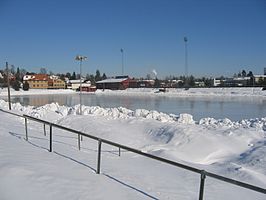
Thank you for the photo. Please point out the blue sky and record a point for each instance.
(224, 36)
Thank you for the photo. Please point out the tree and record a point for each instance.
(98, 75)
(104, 76)
(250, 74)
(26, 86)
(244, 73)
(73, 77)
(17, 75)
(15, 85)
(191, 81)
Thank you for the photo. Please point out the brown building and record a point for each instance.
(56, 84)
(36, 81)
(43, 81)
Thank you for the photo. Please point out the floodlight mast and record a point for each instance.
(122, 58)
(186, 62)
(80, 59)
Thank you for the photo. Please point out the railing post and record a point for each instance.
(79, 141)
(202, 182)
(26, 128)
(44, 130)
(51, 135)
(99, 156)
(119, 151)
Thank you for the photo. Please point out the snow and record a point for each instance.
(235, 149)
(171, 92)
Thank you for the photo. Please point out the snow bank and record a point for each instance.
(124, 113)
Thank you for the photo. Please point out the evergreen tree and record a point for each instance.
(244, 73)
(26, 86)
(250, 74)
(104, 76)
(17, 75)
(73, 77)
(98, 75)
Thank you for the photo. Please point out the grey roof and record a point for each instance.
(112, 80)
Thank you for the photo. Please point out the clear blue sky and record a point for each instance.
(224, 36)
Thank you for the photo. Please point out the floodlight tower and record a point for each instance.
(186, 56)
(80, 59)
(186, 62)
(122, 58)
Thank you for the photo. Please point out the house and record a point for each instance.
(43, 81)
(146, 83)
(116, 83)
(259, 78)
(36, 81)
(75, 84)
(54, 82)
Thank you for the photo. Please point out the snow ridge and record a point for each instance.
(124, 113)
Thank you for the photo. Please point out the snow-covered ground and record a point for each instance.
(234, 149)
(171, 92)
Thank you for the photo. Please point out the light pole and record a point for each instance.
(80, 59)
(186, 62)
(8, 86)
(122, 57)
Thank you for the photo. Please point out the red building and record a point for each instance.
(117, 83)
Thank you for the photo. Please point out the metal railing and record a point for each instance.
(203, 173)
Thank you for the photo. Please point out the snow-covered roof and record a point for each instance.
(260, 76)
(112, 80)
(76, 81)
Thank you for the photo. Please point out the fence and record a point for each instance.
(203, 173)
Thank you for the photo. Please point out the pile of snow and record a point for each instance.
(124, 113)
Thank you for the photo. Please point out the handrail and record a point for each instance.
(203, 173)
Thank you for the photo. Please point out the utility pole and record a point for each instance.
(8, 86)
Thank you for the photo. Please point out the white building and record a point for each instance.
(75, 84)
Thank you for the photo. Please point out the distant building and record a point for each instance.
(117, 83)
(37, 81)
(54, 82)
(218, 82)
(145, 83)
(264, 70)
(43, 81)
(259, 77)
(75, 84)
